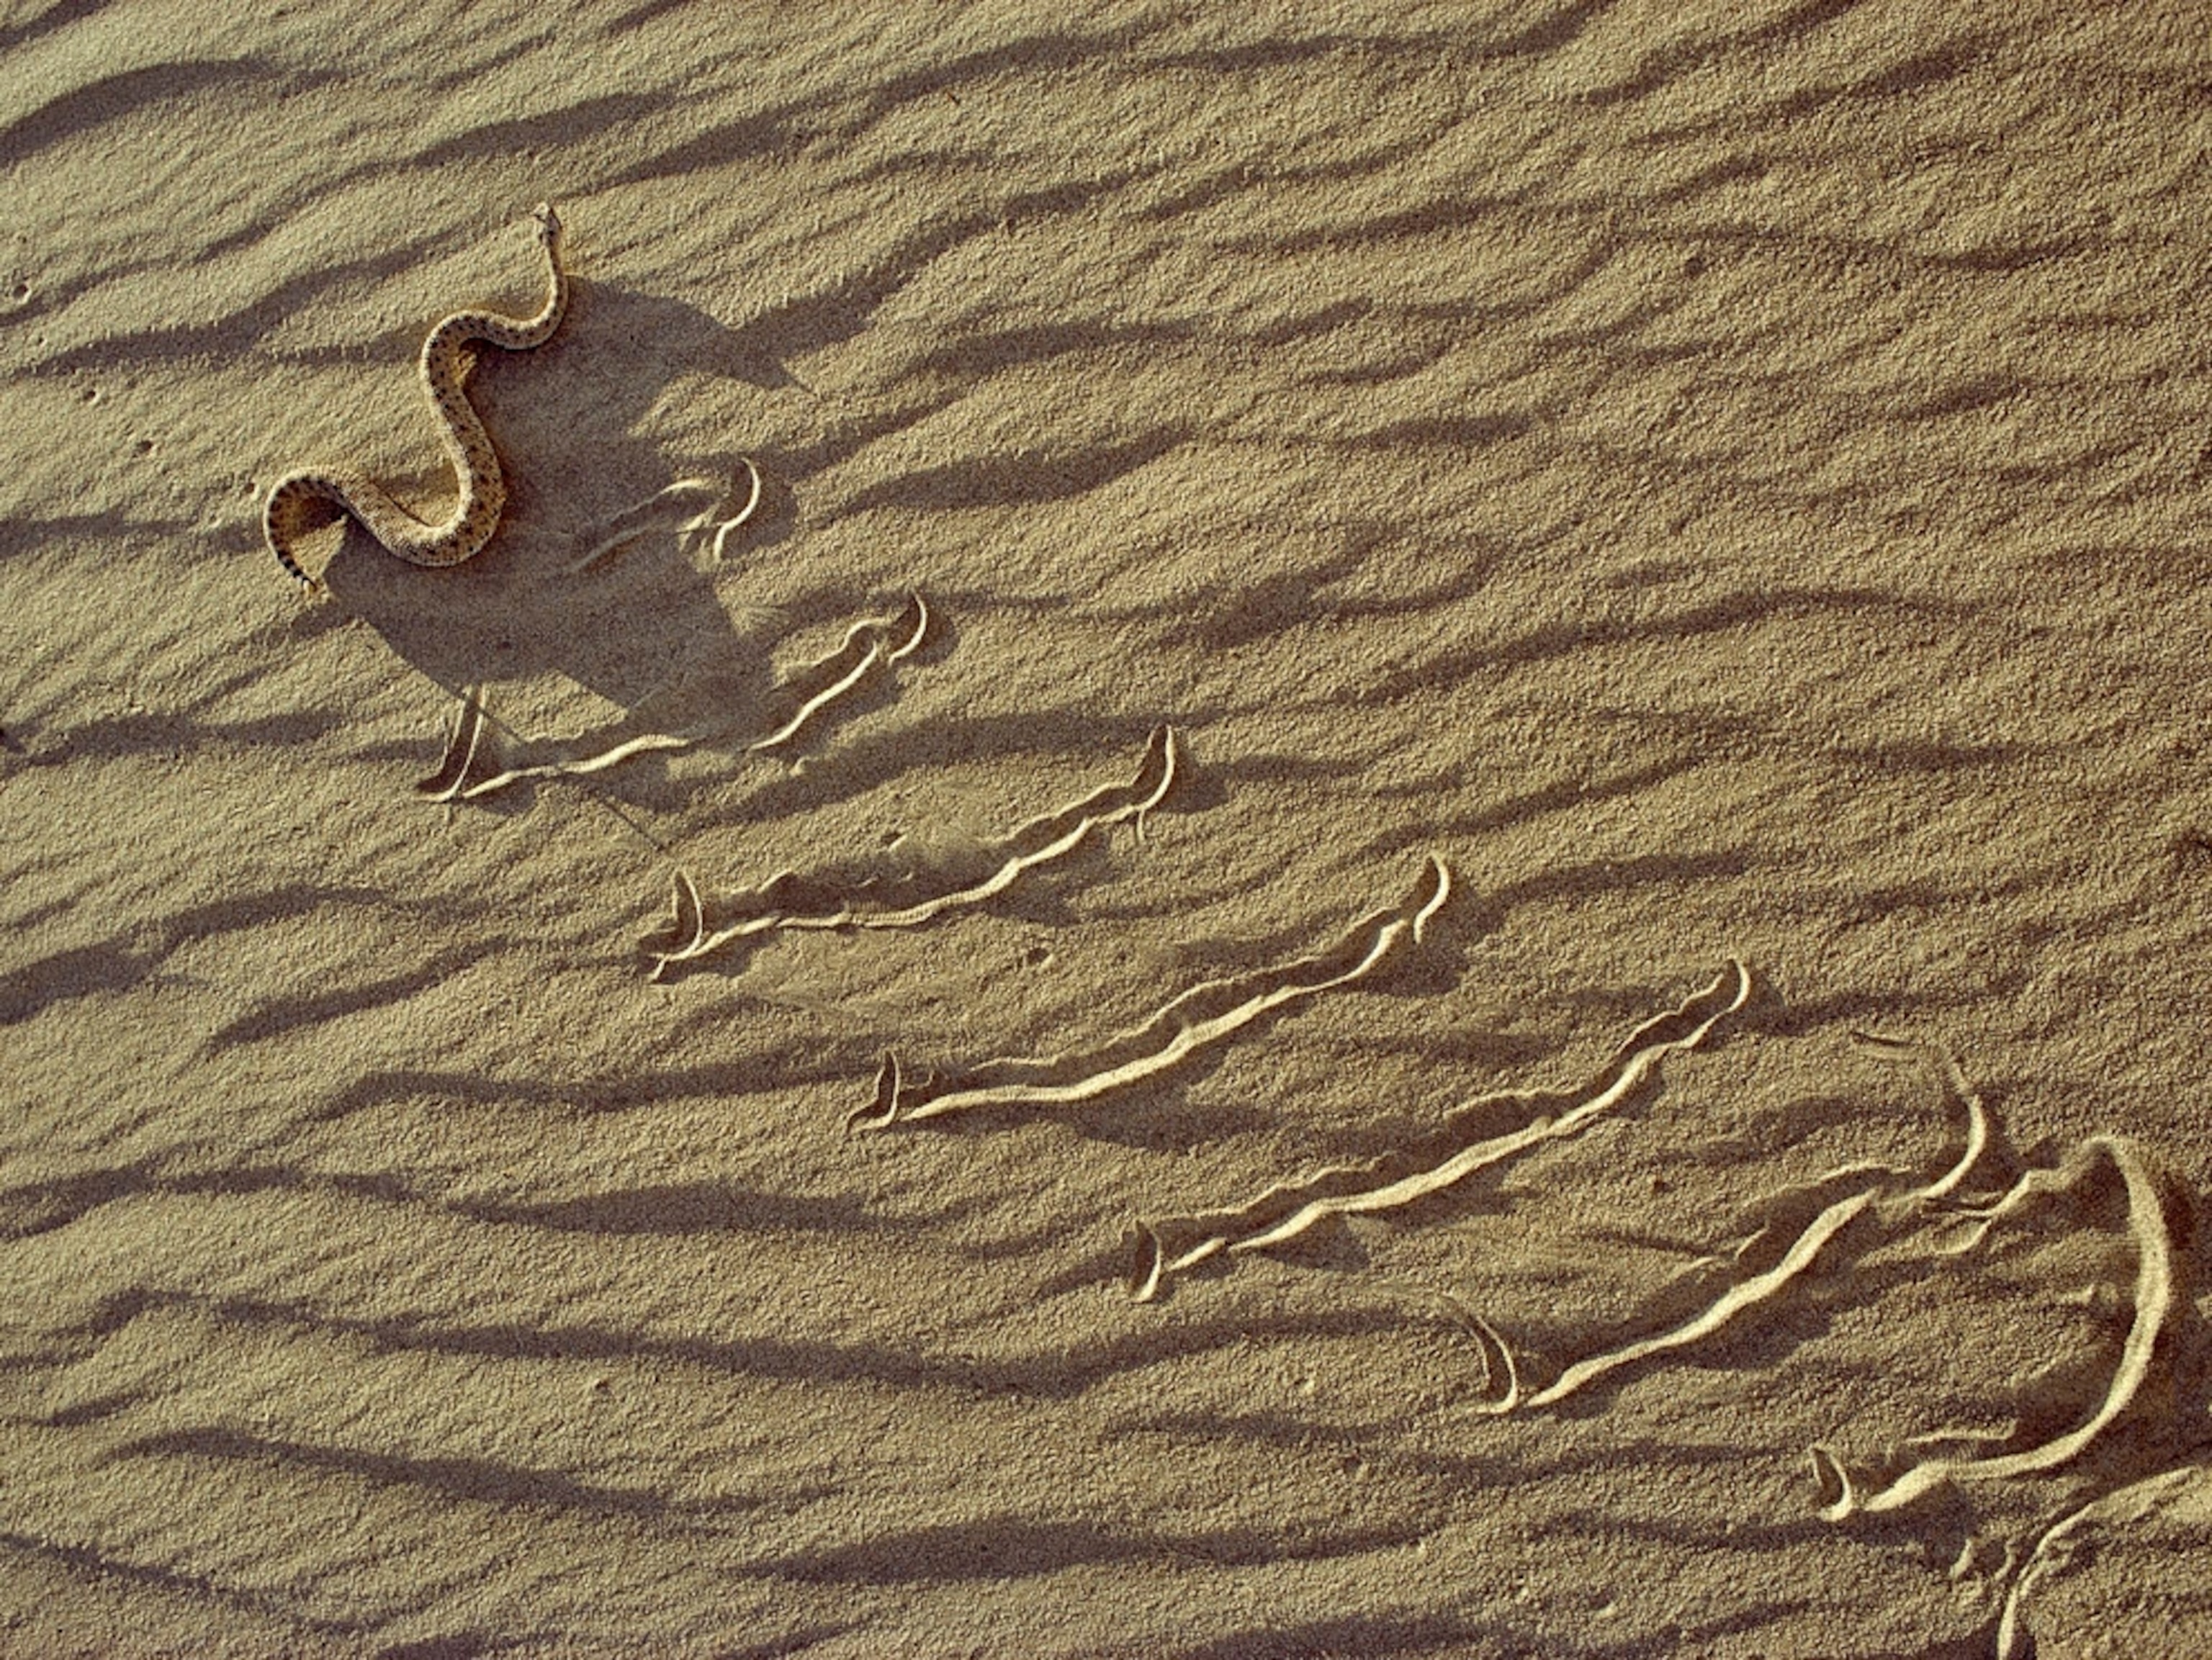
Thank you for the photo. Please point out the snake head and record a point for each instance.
(549, 223)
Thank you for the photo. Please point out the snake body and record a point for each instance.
(296, 503)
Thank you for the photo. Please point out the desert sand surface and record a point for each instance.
(1322, 576)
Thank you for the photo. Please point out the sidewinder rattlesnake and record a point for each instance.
(446, 363)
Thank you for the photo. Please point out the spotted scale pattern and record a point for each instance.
(300, 502)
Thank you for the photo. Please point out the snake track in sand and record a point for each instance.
(296, 504)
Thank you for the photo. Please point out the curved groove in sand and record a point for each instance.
(787, 901)
(631, 522)
(2154, 1300)
(1747, 1293)
(1201, 1016)
(649, 743)
(464, 743)
(2054, 1553)
(1947, 1067)
(462, 739)
(868, 645)
(1169, 1245)
(1875, 1190)
(737, 521)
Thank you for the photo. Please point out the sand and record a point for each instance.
(1729, 481)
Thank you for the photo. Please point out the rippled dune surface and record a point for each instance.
(1666, 487)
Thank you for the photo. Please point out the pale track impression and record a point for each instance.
(789, 902)
(1202, 1017)
(1168, 1246)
